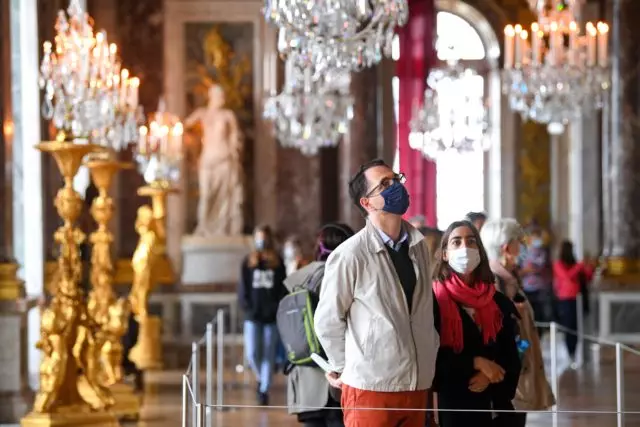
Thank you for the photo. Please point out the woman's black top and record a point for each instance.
(455, 370)
(260, 291)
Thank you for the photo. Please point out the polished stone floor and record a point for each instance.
(591, 388)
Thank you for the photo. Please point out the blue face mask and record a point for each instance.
(396, 199)
(259, 244)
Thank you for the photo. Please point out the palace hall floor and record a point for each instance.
(590, 388)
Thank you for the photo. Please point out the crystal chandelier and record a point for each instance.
(86, 94)
(555, 73)
(453, 116)
(350, 34)
(159, 148)
(309, 114)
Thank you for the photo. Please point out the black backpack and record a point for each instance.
(295, 320)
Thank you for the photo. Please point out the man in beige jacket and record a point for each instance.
(375, 315)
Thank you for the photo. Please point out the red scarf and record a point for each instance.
(487, 315)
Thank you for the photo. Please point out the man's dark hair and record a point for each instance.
(358, 183)
(476, 216)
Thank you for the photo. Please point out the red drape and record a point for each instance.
(417, 56)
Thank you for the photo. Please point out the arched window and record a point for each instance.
(460, 176)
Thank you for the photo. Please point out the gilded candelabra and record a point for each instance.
(109, 313)
(68, 336)
(147, 266)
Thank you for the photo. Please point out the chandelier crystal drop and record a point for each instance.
(86, 93)
(310, 114)
(554, 73)
(326, 34)
(452, 116)
(159, 148)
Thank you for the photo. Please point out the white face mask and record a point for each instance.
(290, 252)
(464, 260)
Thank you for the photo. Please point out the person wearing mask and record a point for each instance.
(307, 386)
(478, 364)
(259, 293)
(535, 271)
(375, 315)
(292, 255)
(502, 239)
(477, 219)
(570, 278)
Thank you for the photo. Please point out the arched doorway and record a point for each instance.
(463, 179)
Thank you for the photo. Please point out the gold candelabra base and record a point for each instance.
(147, 353)
(66, 338)
(11, 287)
(158, 192)
(71, 416)
(127, 403)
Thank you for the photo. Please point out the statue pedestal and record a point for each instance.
(213, 260)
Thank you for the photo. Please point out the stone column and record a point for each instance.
(361, 145)
(584, 186)
(559, 186)
(624, 173)
(27, 217)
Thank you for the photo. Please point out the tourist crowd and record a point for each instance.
(415, 326)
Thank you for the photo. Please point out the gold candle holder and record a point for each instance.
(109, 313)
(149, 263)
(67, 336)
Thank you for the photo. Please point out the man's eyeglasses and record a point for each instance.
(386, 183)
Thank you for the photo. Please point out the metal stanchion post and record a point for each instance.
(554, 369)
(195, 380)
(220, 350)
(185, 401)
(209, 374)
(580, 329)
(200, 415)
(620, 384)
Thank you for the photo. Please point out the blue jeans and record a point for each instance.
(260, 343)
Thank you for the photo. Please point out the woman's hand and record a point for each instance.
(334, 380)
(491, 370)
(479, 383)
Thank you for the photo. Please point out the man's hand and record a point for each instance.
(479, 383)
(491, 370)
(334, 380)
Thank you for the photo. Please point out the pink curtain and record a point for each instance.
(417, 56)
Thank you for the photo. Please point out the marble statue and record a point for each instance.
(219, 168)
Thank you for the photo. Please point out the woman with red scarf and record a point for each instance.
(478, 364)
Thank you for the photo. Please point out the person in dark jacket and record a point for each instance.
(307, 386)
(478, 364)
(260, 291)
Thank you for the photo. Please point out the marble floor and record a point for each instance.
(591, 388)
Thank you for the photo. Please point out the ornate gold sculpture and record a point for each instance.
(147, 353)
(109, 313)
(68, 336)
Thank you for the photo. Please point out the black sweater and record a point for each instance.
(260, 290)
(455, 370)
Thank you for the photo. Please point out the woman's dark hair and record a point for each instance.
(330, 237)
(566, 255)
(268, 254)
(442, 271)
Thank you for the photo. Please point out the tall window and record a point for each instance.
(460, 176)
